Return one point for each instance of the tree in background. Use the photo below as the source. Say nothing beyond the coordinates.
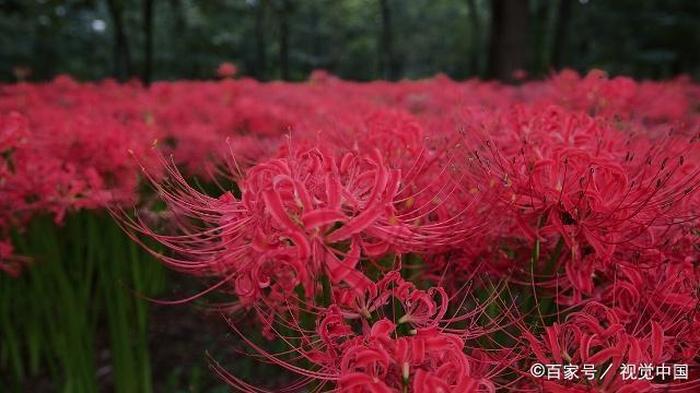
(355, 39)
(260, 70)
(560, 33)
(508, 50)
(122, 53)
(284, 11)
(148, 37)
(389, 67)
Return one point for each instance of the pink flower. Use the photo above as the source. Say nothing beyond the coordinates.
(427, 362)
(13, 131)
(597, 335)
(9, 263)
(226, 70)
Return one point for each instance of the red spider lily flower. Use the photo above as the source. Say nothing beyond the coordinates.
(420, 307)
(519, 75)
(226, 70)
(665, 293)
(429, 361)
(597, 335)
(571, 179)
(376, 353)
(621, 97)
(377, 360)
(585, 196)
(9, 263)
(61, 164)
(299, 217)
(13, 131)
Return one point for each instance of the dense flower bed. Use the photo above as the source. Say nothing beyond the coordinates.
(420, 236)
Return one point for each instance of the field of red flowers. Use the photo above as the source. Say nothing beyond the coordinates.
(416, 236)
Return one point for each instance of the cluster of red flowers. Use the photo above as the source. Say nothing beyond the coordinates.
(427, 236)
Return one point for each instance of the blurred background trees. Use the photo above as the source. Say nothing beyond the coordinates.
(355, 39)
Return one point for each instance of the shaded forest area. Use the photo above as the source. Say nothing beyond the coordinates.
(355, 39)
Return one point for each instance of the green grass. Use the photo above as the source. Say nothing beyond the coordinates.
(82, 283)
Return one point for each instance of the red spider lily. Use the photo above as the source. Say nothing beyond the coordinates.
(664, 293)
(226, 70)
(429, 361)
(575, 184)
(9, 263)
(13, 131)
(395, 338)
(420, 308)
(621, 97)
(597, 335)
(377, 357)
(299, 217)
(62, 163)
(582, 206)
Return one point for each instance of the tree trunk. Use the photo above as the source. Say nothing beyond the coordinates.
(316, 39)
(122, 57)
(388, 64)
(475, 29)
(284, 39)
(509, 38)
(148, 42)
(178, 14)
(560, 33)
(178, 42)
(260, 53)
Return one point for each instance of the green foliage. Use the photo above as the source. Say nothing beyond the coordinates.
(645, 38)
(71, 322)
